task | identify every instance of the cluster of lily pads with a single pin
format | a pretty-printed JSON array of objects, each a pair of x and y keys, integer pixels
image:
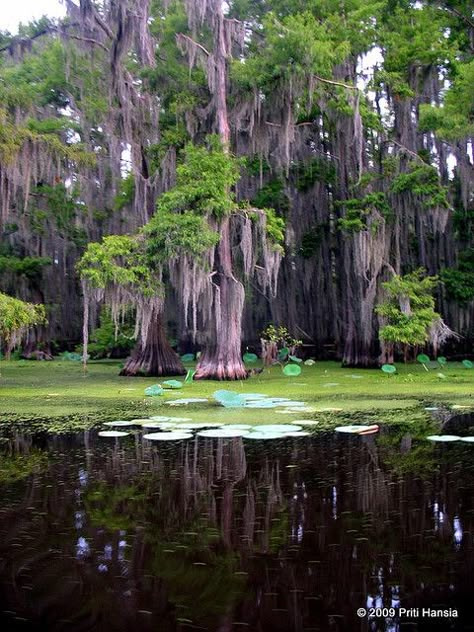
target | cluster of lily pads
[
  {"x": 181, "y": 428},
  {"x": 427, "y": 364},
  {"x": 231, "y": 399},
  {"x": 449, "y": 438}
]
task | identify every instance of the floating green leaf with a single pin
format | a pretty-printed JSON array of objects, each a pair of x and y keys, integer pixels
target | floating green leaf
[
  {"x": 187, "y": 357},
  {"x": 113, "y": 433},
  {"x": 283, "y": 353},
  {"x": 441, "y": 360},
  {"x": 250, "y": 358},
  {"x": 422, "y": 358},
  {"x": 292, "y": 370},
  {"x": 388, "y": 369},
  {"x": 443, "y": 438},
  {"x": 277, "y": 428},
  {"x": 295, "y": 359},
  {"x": 167, "y": 436},
  {"x": 354, "y": 429},
  {"x": 467, "y": 364},
  {"x": 310, "y": 362},
  {"x": 119, "y": 424},
  {"x": 173, "y": 384},
  {"x": 229, "y": 399},
  {"x": 222, "y": 433},
  {"x": 154, "y": 391}
]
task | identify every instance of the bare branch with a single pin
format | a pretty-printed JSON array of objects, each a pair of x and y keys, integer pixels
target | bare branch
[{"x": 186, "y": 38}]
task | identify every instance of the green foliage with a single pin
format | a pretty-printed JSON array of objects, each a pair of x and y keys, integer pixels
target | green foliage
[
  {"x": 408, "y": 308},
  {"x": 272, "y": 195},
  {"x": 203, "y": 182},
  {"x": 297, "y": 45},
  {"x": 30, "y": 267},
  {"x": 459, "y": 282},
  {"x": 175, "y": 136},
  {"x": 281, "y": 336},
  {"x": 275, "y": 227},
  {"x": 126, "y": 192},
  {"x": 60, "y": 208},
  {"x": 311, "y": 240},
  {"x": 107, "y": 341},
  {"x": 359, "y": 209},
  {"x": 422, "y": 180},
  {"x": 256, "y": 165},
  {"x": 172, "y": 235},
  {"x": 455, "y": 120},
  {"x": 16, "y": 317},
  {"x": 317, "y": 170},
  {"x": 118, "y": 260}
]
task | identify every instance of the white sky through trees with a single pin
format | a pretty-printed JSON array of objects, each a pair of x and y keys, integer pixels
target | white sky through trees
[{"x": 13, "y": 12}]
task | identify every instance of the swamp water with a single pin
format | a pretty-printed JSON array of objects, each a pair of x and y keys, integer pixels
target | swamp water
[{"x": 292, "y": 535}]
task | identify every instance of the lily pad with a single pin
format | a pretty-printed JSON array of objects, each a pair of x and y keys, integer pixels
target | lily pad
[
  {"x": 467, "y": 364},
  {"x": 261, "y": 404},
  {"x": 154, "y": 391},
  {"x": 441, "y": 360},
  {"x": 443, "y": 438},
  {"x": 118, "y": 424},
  {"x": 199, "y": 425},
  {"x": 292, "y": 370},
  {"x": 422, "y": 358},
  {"x": 300, "y": 433},
  {"x": 388, "y": 369},
  {"x": 159, "y": 425},
  {"x": 277, "y": 428},
  {"x": 238, "y": 427},
  {"x": 248, "y": 396},
  {"x": 250, "y": 358},
  {"x": 113, "y": 433},
  {"x": 283, "y": 353},
  {"x": 188, "y": 357},
  {"x": 229, "y": 399},
  {"x": 295, "y": 359},
  {"x": 167, "y": 436},
  {"x": 354, "y": 429},
  {"x": 309, "y": 362},
  {"x": 222, "y": 433},
  {"x": 186, "y": 400},
  {"x": 265, "y": 435},
  {"x": 172, "y": 384},
  {"x": 305, "y": 422}
]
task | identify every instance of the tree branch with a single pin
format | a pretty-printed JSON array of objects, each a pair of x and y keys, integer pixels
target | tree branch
[
  {"x": 336, "y": 83},
  {"x": 182, "y": 36}
]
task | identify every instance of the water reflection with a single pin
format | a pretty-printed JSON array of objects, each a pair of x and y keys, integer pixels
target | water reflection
[{"x": 219, "y": 535}]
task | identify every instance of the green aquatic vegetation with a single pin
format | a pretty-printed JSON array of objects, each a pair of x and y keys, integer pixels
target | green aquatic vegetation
[
  {"x": 59, "y": 396},
  {"x": 17, "y": 467}
]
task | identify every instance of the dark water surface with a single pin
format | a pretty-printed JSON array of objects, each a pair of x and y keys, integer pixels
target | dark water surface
[{"x": 230, "y": 535}]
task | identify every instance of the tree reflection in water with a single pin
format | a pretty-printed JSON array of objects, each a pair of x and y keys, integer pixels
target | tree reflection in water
[{"x": 285, "y": 536}]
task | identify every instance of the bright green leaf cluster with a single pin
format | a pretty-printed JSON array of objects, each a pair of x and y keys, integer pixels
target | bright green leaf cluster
[{"x": 408, "y": 308}]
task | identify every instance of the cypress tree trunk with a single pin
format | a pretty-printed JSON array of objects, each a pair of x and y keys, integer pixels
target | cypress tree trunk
[
  {"x": 222, "y": 358},
  {"x": 153, "y": 355}
]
